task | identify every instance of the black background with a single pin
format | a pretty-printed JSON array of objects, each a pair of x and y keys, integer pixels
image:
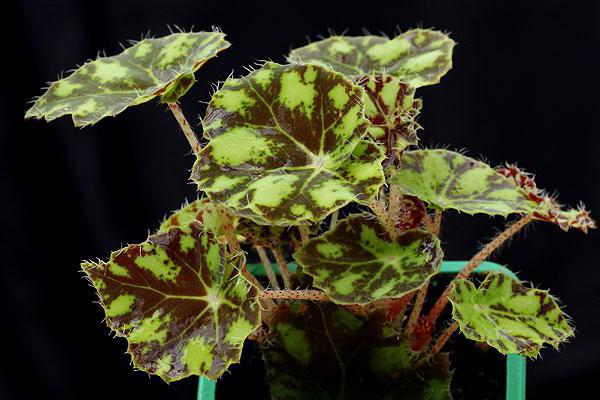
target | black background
[{"x": 524, "y": 87}]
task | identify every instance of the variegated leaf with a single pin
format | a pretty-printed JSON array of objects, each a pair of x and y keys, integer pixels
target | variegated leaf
[
  {"x": 322, "y": 351},
  {"x": 508, "y": 316},
  {"x": 360, "y": 262},
  {"x": 108, "y": 85},
  {"x": 391, "y": 107},
  {"x": 285, "y": 145},
  {"x": 548, "y": 208},
  {"x": 419, "y": 57},
  {"x": 179, "y": 301},
  {"x": 446, "y": 179},
  {"x": 266, "y": 235},
  {"x": 200, "y": 210}
]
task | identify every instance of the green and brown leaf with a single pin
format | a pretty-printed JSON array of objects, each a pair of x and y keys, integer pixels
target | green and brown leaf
[
  {"x": 265, "y": 235},
  {"x": 162, "y": 67},
  {"x": 359, "y": 261},
  {"x": 419, "y": 57},
  {"x": 323, "y": 351},
  {"x": 509, "y": 316},
  {"x": 286, "y": 146},
  {"x": 391, "y": 107},
  {"x": 446, "y": 179},
  {"x": 180, "y": 302}
]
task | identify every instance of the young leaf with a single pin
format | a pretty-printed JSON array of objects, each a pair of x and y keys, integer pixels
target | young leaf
[
  {"x": 359, "y": 262},
  {"x": 200, "y": 210},
  {"x": 549, "y": 209},
  {"x": 419, "y": 57},
  {"x": 179, "y": 301},
  {"x": 108, "y": 85},
  {"x": 508, "y": 316},
  {"x": 322, "y": 351},
  {"x": 446, "y": 179},
  {"x": 391, "y": 107},
  {"x": 285, "y": 145}
]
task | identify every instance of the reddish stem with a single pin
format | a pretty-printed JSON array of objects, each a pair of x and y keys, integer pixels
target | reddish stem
[
  {"x": 313, "y": 295},
  {"x": 185, "y": 127},
  {"x": 481, "y": 256}
]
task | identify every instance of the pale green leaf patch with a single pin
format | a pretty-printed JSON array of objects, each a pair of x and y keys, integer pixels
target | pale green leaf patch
[
  {"x": 418, "y": 57},
  {"x": 182, "y": 304},
  {"x": 162, "y": 67},
  {"x": 359, "y": 262},
  {"x": 449, "y": 180},
  {"x": 509, "y": 316},
  {"x": 286, "y": 146}
]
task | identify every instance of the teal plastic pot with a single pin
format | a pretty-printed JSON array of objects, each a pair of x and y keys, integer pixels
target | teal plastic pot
[{"x": 515, "y": 364}]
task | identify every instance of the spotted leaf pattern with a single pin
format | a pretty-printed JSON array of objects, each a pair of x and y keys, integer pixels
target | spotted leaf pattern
[
  {"x": 446, "y": 179},
  {"x": 286, "y": 145},
  {"x": 419, "y": 57},
  {"x": 162, "y": 67},
  {"x": 200, "y": 210},
  {"x": 179, "y": 301},
  {"x": 508, "y": 316},
  {"x": 359, "y": 261},
  {"x": 323, "y": 351},
  {"x": 265, "y": 235},
  {"x": 391, "y": 107}
]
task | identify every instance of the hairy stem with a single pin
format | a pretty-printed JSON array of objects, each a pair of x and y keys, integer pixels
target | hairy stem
[
  {"x": 303, "y": 229},
  {"x": 234, "y": 244},
  {"x": 441, "y": 341},
  {"x": 227, "y": 225},
  {"x": 334, "y": 219},
  {"x": 185, "y": 127},
  {"x": 480, "y": 257},
  {"x": 264, "y": 259},
  {"x": 378, "y": 208},
  {"x": 437, "y": 222},
  {"x": 312, "y": 295},
  {"x": 429, "y": 224},
  {"x": 416, "y": 310},
  {"x": 286, "y": 274},
  {"x": 395, "y": 204}
]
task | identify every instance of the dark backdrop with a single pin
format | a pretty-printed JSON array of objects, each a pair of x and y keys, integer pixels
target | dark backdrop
[{"x": 524, "y": 87}]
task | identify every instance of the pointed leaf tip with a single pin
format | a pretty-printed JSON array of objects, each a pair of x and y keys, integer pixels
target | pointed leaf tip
[
  {"x": 359, "y": 262},
  {"x": 108, "y": 85},
  {"x": 419, "y": 57},
  {"x": 509, "y": 316},
  {"x": 286, "y": 145},
  {"x": 548, "y": 208},
  {"x": 180, "y": 302}
]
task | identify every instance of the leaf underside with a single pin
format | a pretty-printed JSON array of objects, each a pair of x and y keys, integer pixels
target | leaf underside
[
  {"x": 450, "y": 180},
  {"x": 179, "y": 301},
  {"x": 359, "y": 262},
  {"x": 108, "y": 85},
  {"x": 322, "y": 351},
  {"x": 286, "y": 146},
  {"x": 509, "y": 316},
  {"x": 391, "y": 107},
  {"x": 419, "y": 57}
]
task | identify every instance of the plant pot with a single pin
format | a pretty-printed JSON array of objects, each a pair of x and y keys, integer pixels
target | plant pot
[{"x": 515, "y": 364}]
